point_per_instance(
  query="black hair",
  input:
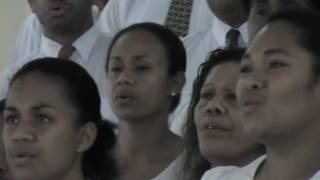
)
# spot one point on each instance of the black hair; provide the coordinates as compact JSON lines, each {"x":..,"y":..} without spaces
{"x":308,"y":36}
{"x":83,"y":93}
{"x":194,"y":164}
{"x":2,"y":105}
{"x":172,"y":44}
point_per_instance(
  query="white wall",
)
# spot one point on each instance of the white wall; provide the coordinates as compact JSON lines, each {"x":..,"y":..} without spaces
{"x":12,"y":14}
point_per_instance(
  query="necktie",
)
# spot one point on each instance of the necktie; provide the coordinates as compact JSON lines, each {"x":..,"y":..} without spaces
{"x":66,"y":52}
{"x":179,"y":16}
{"x":232,"y":38}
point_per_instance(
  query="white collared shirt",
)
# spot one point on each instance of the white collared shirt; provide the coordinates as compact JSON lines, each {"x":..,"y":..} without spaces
{"x":29,"y":36}
{"x":90,"y":53}
{"x":233,"y":172}
{"x":198,"y":46}
{"x":119,"y":14}
{"x":247,"y":172}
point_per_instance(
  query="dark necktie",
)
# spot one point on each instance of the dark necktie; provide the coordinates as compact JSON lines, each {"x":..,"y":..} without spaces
{"x":178,"y":17}
{"x":232,"y":38}
{"x":66,"y":51}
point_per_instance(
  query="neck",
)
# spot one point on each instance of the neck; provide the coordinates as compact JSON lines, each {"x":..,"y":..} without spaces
{"x":297,"y":159}
{"x":147,"y":138}
{"x":68,"y":35}
{"x":75,"y":173}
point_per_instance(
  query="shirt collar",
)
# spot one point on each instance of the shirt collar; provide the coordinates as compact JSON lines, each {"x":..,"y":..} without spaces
{"x":251,"y":169}
{"x":83,"y":44}
{"x":220,"y":30}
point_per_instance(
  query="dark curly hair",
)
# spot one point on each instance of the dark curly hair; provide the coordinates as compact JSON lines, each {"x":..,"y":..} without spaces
{"x":194,"y":164}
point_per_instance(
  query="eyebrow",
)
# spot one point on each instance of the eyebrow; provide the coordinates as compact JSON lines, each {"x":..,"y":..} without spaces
{"x":136,"y":57}
{"x":275,"y":51}
{"x":37,"y":107}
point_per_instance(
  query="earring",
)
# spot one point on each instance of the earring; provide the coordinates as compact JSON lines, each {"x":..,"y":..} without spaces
{"x":173,"y":94}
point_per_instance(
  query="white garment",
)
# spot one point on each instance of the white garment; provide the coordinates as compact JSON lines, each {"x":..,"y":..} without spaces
{"x":198,"y":46}
{"x":119,"y":14}
{"x":29,"y":37}
{"x":91,"y":49}
{"x":172,"y":171}
{"x":236,"y":173}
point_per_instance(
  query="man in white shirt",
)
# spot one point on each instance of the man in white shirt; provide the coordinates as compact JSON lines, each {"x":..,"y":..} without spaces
{"x":69,"y":23}
{"x":29,"y":36}
{"x":228,"y":15}
{"x":119,"y":14}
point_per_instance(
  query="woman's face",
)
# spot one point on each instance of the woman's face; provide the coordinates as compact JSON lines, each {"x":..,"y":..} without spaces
{"x":139,"y":82}
{"x":217,"y":118}
{"x":41,"y":135}
{"x":4,"y":170}
{"x":277,"y":91}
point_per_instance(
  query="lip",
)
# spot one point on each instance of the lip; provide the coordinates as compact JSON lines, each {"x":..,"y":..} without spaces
{"x":214,"y":124}
{"x":59,"y":9}
{"x":250,"y":100}
{"x":124,"y":96}
{"x":21,"y":157}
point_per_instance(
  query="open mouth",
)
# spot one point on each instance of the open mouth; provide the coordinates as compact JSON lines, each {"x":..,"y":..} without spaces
{"x":215,"y":127}
{"x":124,"y":98}
{"x":59,"y":9}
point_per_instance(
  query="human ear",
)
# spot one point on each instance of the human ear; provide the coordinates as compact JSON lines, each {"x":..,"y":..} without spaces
{"x":88,"y":134}
{"x":176,"y":83}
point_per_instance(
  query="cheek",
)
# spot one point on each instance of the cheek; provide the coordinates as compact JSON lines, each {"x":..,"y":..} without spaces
{"x":239,"y":88}
{"x":197,"y":113}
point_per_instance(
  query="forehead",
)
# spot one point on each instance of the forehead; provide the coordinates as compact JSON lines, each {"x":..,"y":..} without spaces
{"x":219,"y":77}
{"x":279,"y":39}
{"x":279,"y":34}
{"x":139,"y":39}
{"x":37,"y":87}
{"x":136,"y":44}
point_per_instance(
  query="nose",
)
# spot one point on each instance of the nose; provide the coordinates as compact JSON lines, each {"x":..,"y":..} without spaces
{"x":255,"y":81}
{"x":215,"y":107}
{"x":255,"y":84}
{"x":23,"y":133}
{"x":125,"y":77}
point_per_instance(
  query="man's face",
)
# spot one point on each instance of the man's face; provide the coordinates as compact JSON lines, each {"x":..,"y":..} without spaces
{"x":261,"y":10}
{"x":224,"y":5}
{"x":60,"y":15}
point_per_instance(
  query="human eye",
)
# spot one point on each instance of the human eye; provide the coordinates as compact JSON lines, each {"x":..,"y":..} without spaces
{"x":275,"y":64}
{"x":10,"y":118}
{"x":41,"y":118}
{"x":245,"y":68}
{"x":115,"y":69}
{"x":206,"y":95}
{"x":231,"y":96}
{"x":143,"y":68}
